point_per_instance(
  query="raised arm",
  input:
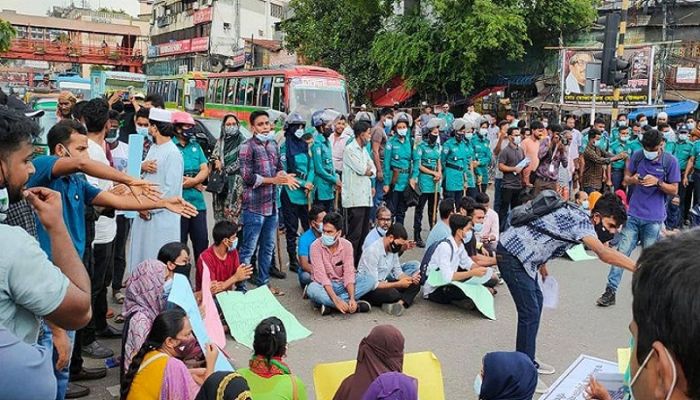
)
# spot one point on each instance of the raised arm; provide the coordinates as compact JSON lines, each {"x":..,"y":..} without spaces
{"x":609,"y":255}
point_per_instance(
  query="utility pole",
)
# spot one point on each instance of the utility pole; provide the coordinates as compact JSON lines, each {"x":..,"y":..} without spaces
{"x":620,"y":53}
{"x":661,"y":82}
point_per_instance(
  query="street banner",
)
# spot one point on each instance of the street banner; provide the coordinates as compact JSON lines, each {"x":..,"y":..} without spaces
{"x":636,"y":91}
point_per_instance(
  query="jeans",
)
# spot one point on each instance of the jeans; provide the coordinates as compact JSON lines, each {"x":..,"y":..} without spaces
{"x":396,"y":203}
{"x":262,"y":229}
{"x":196,"y":229}
{"x":528,"y":300}
{"x":378,"y":197}
{"x":635,"y":230}
{"x":304,"y":277}
{"x":409,"y":268}
{"x":428,"y":198}
{"x":293,"y":214}
{"x":358,"y":228}
{"x":617,"y":175}
{"x":46,"y":340}
{"x":317,"y":293}
{"x":497,"y":193}
{"x":123,"y":228}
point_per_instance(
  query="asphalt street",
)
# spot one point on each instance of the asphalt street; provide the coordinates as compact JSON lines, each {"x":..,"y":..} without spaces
{"x":458,"y":338}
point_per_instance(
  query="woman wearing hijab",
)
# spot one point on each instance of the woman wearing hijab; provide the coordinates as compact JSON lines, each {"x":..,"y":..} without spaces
{"x":381,"y":351}
{"x":506,"y":376}
{"x":224,"y":386}
{"x":268,"y":376}
{"x":227,"y":204}
{"x":392,"y":386}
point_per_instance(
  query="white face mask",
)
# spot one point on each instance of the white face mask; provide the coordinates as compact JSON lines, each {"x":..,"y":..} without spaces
{"x":402,"y":131}
{"x":478,"y":380}
{"x":646,"y":360}
{"x":4,"y":203}
{"x":517,"y":140}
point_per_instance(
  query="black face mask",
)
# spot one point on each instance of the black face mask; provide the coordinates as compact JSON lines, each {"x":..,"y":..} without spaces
{"x":327,"y":132}
{"x":181,"y":266}
{"x":395,"y":247}
{"x":459,"y":137}
{"x":603,"y":234}
{"x":432,"y":139}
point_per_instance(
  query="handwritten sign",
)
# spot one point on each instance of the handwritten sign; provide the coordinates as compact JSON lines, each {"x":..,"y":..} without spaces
{"x":211,"y":315}
{"x":244,"y":311}
{"x":572,"y":384}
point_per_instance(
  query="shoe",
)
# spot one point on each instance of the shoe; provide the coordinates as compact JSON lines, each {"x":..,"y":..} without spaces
{"x":96,"y":350}
{"x":75,"y":391}
{"x":118,"y":297}
{"x":88,"y":374}
{"x":395,"y":309}
{"x":544,"y":369}
{"x":420,"y":243}
{"x":109,"y":333}
{"x":363,"y":306}
{"x":294,"y":267}
{"x":325,"y":310}
{"x":542,"y":387}
{"x":275,"y":273}
{"x":607,"y":299}
{"x":466,"y":304}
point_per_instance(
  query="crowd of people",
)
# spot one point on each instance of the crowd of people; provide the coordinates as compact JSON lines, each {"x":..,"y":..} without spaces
{"x":338,"y":190}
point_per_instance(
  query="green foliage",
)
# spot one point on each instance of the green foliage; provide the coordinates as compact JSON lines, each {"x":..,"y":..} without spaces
{"x":549,"y":19}
{"x":7,"y":33}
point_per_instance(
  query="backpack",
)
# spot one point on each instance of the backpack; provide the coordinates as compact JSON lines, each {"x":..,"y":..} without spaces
{"x":428,"y":255}
{"x":544,"y":203}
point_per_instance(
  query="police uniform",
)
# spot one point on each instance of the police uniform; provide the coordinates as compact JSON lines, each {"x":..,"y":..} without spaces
{"x":470,"y":173}
{"x":483,"y":154}
{"x":683,"y":151}
{"x":397,"y":160}
{"x":618,"y":167}
{"x":428,"y":156}
{"x":456,"y":160}
{"x":325,"y":175}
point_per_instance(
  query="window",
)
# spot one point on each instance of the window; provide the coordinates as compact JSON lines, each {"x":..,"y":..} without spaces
{"x":179,"y":92}
{"x":240,"y":97}
{"x":278,"y":98}
{"x":220,"y":91}
{"x":211,"y":91}
{"x":265,"y":91}
{"x":251,"y":92}
{"x":276,"y":11}
{"x":231,"y":91}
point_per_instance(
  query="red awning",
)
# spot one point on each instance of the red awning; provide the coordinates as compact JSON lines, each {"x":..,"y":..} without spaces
{"x":395,"y":92}
{"x":486,"y":92}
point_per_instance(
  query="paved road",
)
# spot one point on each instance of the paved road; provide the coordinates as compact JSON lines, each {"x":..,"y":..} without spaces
{"x":458,"y":338}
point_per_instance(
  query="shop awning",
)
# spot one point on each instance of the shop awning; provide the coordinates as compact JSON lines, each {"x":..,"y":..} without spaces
{"x":486,"y":92}
{"x":395,"y":92}
{"x":673,"y":109}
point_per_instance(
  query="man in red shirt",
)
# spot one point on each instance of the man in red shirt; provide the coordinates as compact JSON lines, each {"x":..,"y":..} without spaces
{"x":222,"y":260}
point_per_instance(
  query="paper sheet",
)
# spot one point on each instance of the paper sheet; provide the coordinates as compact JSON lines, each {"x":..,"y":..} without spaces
{"x":578,"y":253}
{"x":133,"y":164}
{"x":181,"y":294}
{"x":571,"y":385}
{"x":244,"y":311}
{"x":212,"y":322}
{"x":473,"y":288}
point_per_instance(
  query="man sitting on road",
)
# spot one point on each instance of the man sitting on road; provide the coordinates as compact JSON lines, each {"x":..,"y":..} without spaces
{"x":394,"y":290}
{"x":384,"y":219}
{"x":221,"y":259}
{"x":316,"y":215}
{"x":335,"y":284}
{"x":441,"y":229}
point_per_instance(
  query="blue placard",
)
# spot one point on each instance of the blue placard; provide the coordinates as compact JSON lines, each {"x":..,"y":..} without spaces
{"x":133,"y":165}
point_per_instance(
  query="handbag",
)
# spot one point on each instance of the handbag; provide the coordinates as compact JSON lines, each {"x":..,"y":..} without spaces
{"x":410,"y":196}
{"x":217,"y":182}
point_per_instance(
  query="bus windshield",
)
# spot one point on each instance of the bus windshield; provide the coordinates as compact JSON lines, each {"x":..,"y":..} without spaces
{"x":311,"y":94}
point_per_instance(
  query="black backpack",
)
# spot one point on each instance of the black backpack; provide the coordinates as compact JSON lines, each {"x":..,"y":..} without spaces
{"x":428,"y":255}
{"x":544,"y":203}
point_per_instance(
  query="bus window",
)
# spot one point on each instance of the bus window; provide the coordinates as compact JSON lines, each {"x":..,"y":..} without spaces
{"x":179,"y":94}
{"x":220,"y":91}
{"x":278,"y":98}
{"x":242,"y":85}
{"x":251,"y":92}
{"x":172,"y":93}
{"x":210,"y":91}
{"x":265,"y":90}
{"x":231,"y":91}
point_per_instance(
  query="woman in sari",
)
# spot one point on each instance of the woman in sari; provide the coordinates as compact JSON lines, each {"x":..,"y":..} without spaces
{"x":268,"y":376}
{"x":146,"y":295}
{"x":224,"y":386}
{"x":381,"y":351}
{"x":157,"y":372}
{"x":506,"y":375}
{"x":227,"y":204}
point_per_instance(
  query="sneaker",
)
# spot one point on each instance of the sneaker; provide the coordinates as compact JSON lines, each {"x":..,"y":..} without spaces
{"x":325,"y":310}
{"x":607,"y":299}
{"x":96,"y":350}
{"x":542,"y":387}
{"x":395,"y":309}
{"x":275,"y":273}
{"x":363,"y":306}
{"x":109,"y":332}
{"x":544,"y":369}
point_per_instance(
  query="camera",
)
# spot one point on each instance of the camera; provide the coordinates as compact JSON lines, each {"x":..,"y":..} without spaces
{"x":562,"y":137}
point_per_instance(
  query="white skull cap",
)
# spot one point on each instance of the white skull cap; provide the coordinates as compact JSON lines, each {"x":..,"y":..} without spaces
{"x":158,"y":114}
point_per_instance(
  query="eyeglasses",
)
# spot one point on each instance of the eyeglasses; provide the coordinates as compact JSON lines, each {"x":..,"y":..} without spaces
{"x":383,"y":219}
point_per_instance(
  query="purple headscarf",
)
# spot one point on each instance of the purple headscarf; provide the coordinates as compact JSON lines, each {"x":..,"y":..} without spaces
{"x":392,"y":386}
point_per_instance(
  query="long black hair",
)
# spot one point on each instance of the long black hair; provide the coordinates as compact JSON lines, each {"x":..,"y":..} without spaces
{"x":270,"y":339}
{"x":166,"y":325}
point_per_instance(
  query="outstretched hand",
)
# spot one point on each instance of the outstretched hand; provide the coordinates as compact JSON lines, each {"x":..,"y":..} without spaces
{"x":179,"y":206}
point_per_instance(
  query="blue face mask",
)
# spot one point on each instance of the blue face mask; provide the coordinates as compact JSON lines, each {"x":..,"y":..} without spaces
{"x":328,"y":240}
{"x":266,"y":137}
{"x":478,"y":227}
{"x":234,"y":245}
{"x":142,"y":130}
{"x":468,"y":237}
{"x":477,"y":385}
{"x":381,"y":231}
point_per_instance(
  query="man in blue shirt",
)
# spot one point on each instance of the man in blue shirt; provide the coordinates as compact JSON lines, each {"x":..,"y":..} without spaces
{"x":316,"y":215}
{"x":655,"y":175}
{"x":441,"y":230}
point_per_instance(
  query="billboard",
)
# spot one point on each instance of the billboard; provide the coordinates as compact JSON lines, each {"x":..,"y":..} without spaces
{"x":636,"y":91}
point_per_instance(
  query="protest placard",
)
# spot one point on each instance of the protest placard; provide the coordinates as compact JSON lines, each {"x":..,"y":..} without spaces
{"x":472,"y":288}
{"x":571,"y":385}
{"x":212,"y":322}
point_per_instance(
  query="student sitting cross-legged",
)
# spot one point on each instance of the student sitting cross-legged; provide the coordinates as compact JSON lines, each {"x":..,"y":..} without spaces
{"x":393,"y":291}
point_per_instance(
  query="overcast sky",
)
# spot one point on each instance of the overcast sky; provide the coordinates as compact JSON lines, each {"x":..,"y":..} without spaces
{"x":35,"y":7}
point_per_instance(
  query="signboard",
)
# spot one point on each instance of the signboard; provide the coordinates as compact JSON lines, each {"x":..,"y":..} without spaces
{"x":686,"y":74}
{"x":237,"y":59}
{"x":572,"y":384}
{"x":178,"y":47}
{"x":321,"y":83}
{"x":636,"y":91}
{"x":200,"y":44}
{"x":152,"y":51}
{"x":203,"y":15}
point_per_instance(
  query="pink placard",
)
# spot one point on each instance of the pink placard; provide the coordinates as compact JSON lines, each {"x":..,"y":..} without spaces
{"x":212,"y":323}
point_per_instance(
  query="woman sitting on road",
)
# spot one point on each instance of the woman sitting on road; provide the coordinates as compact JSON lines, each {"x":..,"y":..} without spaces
{"x":506,"y":375}
{"x":224,"y":386}
{"x":268,"y":376}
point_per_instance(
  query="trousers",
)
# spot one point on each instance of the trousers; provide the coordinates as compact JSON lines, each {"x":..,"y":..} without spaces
{"x":317,"y":293}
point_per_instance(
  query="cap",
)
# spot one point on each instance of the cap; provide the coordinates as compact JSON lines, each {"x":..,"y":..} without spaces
{"x":34,"y":113}
{"x":158,"y":114}
{"x":662,"y":114}
{"x":363,"y":106}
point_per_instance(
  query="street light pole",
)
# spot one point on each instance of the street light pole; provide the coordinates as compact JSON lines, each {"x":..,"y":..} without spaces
{"x":619,"y":53}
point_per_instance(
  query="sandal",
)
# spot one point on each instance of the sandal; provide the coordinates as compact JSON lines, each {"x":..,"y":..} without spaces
{"x":276,"y":291}
{"x":119,"y":319}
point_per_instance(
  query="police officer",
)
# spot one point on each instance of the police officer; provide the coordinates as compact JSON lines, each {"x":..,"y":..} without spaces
{"x":295,"y":155}
{"x":483,"y":155}
{"x":618,"y":146}
{"x":683,"y":151}
{"x":398,"y":155}
{"x":470,"y":173}
{"x":457,"y":157}
{"x":326,"y":180}
{"x":427,"y":171}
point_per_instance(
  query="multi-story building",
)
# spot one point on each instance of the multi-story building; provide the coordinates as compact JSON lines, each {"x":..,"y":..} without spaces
{"x":208,"y":35}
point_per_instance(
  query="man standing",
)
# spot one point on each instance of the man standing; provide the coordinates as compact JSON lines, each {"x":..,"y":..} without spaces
{"x":449,"y":119}
{"x":531,"y":148}
{"x":457,"y":157}
{"x":511,"y":162}
{"x":261,"y":170}
{"x":596,"y":163}
{"x":339,"y":139}
{"x":500,"y":144}
{"x":427,"y":174}
{"x":619,"y":145}
{"x":424,"y":118}
{"x":655,"y":175}
{"x":379,"y":137}
{"x":358,"y":170}
{"x":326,"y":181}
{"x":552,"y":154}
{"x":472,"y":116}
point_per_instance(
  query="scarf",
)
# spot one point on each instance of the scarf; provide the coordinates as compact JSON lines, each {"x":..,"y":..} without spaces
{"x":259,"y":366}
{"x":294,"y":146}
{"x":508,"y":376}
{"x":224,"y":386}
{"x":392,"y":386}
{"x":381,"y":351}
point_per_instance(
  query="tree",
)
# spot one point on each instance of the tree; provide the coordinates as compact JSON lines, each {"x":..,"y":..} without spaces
{"x":338,"y":34}
{"x":7,"y":33}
